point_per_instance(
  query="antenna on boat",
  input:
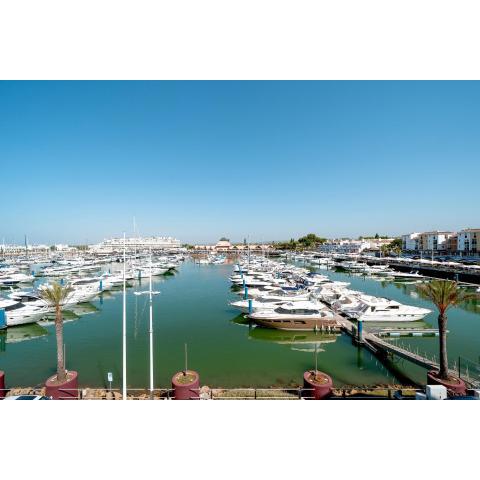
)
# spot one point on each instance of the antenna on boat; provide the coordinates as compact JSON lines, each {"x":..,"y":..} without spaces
{"x":124,"y":326}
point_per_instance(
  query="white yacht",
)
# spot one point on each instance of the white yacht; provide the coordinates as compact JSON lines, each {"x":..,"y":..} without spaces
{"x":406,"y":275}
{"x":329,"y":292}
{"x":377,"y":270}
{"x":83,"y":290}
{"x":298,"y":316}
{"x":352,"y":265}
{"x":314,"y":280}
{"x":12,"y":279}
{"x":144,"y":271}
{"x":259,"y":291}
{"x":384,"y":310}
{"x":263,"y":303}
{"x":18,"y":313}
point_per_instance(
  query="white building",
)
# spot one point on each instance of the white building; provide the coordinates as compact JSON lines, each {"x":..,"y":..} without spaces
{"x":138,"y":243}
{"x":468,"y":240}
{"x":410,"y":241}
{"x":344,"y":246}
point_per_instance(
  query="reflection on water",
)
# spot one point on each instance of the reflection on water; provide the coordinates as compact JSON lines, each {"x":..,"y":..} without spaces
{"x":304,"y":341}
{"x":72,"y":312}
{"x":21,"y":333}
{"x":193,"y":308}
{"x":242,"y":320}
{"x":290,"y":337}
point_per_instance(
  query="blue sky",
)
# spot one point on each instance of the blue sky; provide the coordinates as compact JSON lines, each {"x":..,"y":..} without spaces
{"x":267,"y":160}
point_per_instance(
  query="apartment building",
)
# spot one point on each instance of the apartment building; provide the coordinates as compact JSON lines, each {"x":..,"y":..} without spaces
{"x":467,"y":240}
{"x":410,"y":242}
{"x":464,"y":242}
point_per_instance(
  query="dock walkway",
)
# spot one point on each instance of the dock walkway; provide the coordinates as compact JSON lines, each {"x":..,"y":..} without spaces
{"x":377,"y":345}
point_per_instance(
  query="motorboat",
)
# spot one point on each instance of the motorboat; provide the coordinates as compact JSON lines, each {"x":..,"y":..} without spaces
{"x":83,"y":290}
{"x":352,"y":265}
{"x":13,"y":279}
{"x":298,"y":316}
{"x":263,"y":303}
{"x":409,"y":275}
{"x":384,"y":310}
{"x":259,"y":291}
{"x":144,"y":271}
{"x":18,"y":313}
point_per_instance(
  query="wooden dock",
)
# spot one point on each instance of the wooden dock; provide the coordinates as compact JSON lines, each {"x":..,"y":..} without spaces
{"x":377,"y":346}
{"x":405,"y":332}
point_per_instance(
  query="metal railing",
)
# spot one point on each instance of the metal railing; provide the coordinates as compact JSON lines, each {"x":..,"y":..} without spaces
{"x":222,"y":393}
{"x":469,"y":371}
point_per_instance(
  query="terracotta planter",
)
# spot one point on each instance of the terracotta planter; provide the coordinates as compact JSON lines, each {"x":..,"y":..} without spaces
{"x":455,"y":388}
{"x":316,"y":386}
{"x":67,"y":390}
{"x":2,"y":384}
{"x":186,"y":387}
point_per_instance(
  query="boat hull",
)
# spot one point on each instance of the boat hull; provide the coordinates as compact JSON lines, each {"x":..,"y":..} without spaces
{"x":386,"y":318}
{"x":330,"y":325}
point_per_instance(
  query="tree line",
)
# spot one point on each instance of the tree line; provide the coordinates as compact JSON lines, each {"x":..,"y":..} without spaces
{"x":303,"y":243}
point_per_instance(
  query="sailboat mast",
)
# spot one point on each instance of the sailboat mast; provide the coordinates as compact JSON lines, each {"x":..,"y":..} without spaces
{"x":151,"y":328}
{"x":124,"y":326}
{"x":135,"y":237}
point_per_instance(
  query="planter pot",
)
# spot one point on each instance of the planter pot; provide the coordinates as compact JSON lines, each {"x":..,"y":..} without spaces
{"x":67,"y":390}
{"x":186,"y":387}
{"x":457,"y":387}
{"x":2,"y":384}
{"x":316,"y":385}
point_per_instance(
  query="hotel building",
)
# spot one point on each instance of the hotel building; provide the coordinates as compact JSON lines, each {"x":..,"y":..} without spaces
{"x":138,"y":243}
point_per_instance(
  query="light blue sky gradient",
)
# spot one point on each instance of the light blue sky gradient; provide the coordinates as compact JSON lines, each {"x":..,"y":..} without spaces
{"x":267,"y":160}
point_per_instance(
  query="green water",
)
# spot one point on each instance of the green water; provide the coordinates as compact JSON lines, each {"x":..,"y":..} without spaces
{"x":193,"y":308}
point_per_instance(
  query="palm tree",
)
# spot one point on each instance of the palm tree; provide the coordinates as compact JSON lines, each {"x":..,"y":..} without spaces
{"x":55,"y":295}
{"x":385,"y":249}
{"x":397,"y":250}
{"x":444,"y":294}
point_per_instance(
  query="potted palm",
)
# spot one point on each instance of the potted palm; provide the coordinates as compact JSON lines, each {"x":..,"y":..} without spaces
{"x":316,"y":385}
{"x":444,"y":294}
{"x":62,"y":385}
{"x":186,"y":384}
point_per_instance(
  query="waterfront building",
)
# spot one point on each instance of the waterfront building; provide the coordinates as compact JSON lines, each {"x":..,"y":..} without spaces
{"x":436,"y":241}
{"x":452,"y":243}
{"x":22,"y":249}
{"x":139,"y":243}
{"x":225,"y":246}
{"x":467,"y":241}
{"x":350,"y":246}
{"x":344,"y":246}
{"x":410,"y":242}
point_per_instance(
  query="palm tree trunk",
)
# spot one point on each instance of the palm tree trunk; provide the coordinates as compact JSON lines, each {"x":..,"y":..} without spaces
{"x":442,"y":329}
{"x":61,"y":374}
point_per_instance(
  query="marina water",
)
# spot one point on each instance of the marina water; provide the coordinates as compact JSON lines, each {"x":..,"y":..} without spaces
{"x":227,"y":352}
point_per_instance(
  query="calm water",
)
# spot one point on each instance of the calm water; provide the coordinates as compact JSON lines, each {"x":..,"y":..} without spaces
{"x":193,"y":308}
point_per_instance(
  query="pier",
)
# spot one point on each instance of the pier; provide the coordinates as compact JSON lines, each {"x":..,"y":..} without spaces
{"x":382,"y":348}
{"x":466,"y":274}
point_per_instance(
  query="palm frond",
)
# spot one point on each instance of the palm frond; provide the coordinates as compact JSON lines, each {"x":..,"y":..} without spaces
{"x":55,"y":294}
{"x":444,"y":294}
